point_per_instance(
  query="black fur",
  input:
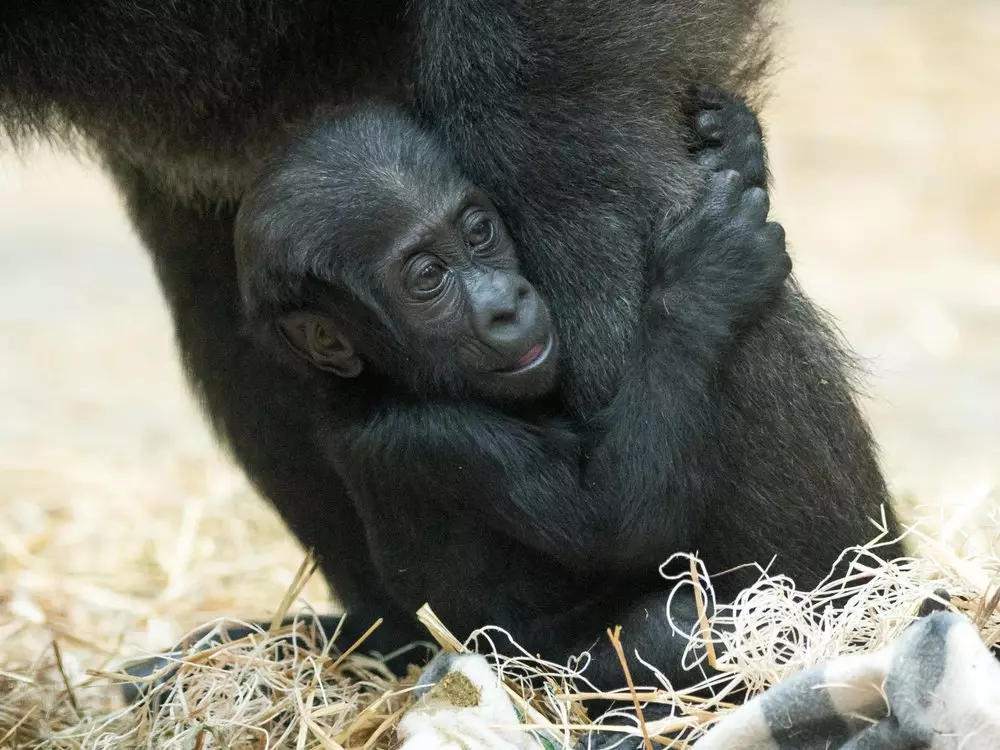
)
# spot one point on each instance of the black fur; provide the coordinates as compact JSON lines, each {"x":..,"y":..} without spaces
{"x":306,"y":240}
{"x":463,"y":502}
{"x":560,"y":118}
{"x":570,"y":112}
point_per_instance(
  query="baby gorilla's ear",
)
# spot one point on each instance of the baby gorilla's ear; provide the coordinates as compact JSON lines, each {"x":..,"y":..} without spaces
{"x":319,"y":340}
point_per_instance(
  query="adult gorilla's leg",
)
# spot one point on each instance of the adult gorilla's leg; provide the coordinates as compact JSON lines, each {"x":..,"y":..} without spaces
{"x":261,"y":410}
{"x":648,"y":629}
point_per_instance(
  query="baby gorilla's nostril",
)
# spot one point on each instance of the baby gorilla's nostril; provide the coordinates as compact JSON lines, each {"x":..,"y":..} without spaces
{"x":504,"y":318}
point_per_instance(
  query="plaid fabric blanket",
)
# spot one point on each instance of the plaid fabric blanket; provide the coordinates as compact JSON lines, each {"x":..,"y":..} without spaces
{"x":935,"y":688}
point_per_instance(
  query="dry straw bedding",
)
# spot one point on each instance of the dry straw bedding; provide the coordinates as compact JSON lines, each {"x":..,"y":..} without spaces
{"x":261,"y":692}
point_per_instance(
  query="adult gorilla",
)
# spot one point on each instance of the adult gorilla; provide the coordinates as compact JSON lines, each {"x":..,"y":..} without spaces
{"x":580,"y":122}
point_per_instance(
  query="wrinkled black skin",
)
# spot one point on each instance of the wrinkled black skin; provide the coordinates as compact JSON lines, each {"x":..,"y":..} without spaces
{"x":182,"y":101}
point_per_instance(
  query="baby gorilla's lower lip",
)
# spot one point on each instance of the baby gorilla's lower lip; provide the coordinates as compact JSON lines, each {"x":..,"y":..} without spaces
{"x":529,"y":359}
{"x":530,"y":356}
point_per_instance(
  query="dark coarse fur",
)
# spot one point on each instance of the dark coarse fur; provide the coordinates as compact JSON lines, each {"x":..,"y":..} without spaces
{"x":560,"y":120}
{"x":461,"y":496}
{"x":193,"y":92}
{"x":568,"y":111}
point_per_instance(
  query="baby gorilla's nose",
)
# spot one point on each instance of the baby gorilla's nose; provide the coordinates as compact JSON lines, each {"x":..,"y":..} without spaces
{"x":503,"y":316}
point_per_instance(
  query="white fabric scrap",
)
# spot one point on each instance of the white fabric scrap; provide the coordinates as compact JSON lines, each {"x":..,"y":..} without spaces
{"x":435,"y":724}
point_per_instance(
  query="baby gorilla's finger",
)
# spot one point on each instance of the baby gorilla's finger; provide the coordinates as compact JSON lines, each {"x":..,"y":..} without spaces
{"x":755,"y":204}
{"x":709,"y":125}
{"x":753,"y":163}
{"x":775,"y":234}
{"x":777,"y":263}
{"x":710,"y":159}
{"x":726,"y":189}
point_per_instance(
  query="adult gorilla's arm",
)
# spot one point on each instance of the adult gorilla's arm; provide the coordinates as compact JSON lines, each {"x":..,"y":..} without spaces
{"x":630,"y":490}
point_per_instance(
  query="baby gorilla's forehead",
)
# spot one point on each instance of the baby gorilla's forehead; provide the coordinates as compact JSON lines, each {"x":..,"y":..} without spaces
{"x":431,"y":196}
{"x":412,"y":218}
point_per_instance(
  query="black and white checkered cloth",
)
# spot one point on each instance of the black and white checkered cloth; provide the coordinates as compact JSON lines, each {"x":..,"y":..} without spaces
{"x":935,"y":688}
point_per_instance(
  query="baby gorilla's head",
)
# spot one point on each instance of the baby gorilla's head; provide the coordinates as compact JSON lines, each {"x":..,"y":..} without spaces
{"x":367,"y":251}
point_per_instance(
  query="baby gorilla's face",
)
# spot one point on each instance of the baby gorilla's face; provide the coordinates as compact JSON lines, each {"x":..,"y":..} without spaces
{"x":460,"y":296}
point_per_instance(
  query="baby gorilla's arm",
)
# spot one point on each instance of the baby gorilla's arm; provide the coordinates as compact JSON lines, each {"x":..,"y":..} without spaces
{"x":713,"y":272}
{"x":632,"y":492}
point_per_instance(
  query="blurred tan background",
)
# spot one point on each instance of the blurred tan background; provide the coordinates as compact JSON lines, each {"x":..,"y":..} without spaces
{"x":119,"y":511}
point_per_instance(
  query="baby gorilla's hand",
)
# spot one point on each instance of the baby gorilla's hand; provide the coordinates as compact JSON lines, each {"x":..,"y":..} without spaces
{"x":724,"y":262}
{"x":728,"y":136}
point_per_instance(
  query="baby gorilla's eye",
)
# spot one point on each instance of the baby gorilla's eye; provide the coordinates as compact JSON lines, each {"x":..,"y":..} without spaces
{"x":425,"y":277}
{"x":480,"y":230}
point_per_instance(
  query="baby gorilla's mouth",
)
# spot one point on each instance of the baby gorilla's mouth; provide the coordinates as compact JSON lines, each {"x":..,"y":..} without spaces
{"x":529,"y":359}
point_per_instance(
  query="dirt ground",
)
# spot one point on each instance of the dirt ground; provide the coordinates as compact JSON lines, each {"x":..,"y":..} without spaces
{"x":119,"y":511}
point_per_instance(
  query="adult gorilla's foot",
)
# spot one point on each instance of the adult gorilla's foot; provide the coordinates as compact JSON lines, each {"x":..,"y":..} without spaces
{"x":399,"y":644}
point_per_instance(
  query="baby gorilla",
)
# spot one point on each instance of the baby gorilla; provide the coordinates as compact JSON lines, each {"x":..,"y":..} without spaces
{"x":367,"y":261}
